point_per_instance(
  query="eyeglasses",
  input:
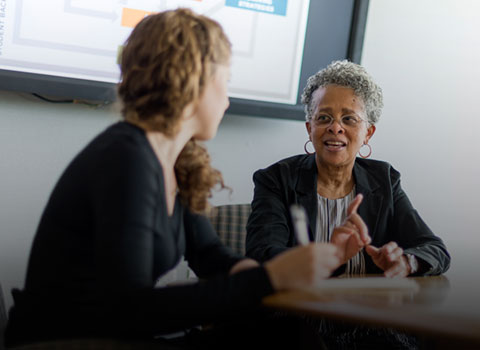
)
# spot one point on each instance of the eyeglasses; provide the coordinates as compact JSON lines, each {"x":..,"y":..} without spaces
{"x":347,"y":121}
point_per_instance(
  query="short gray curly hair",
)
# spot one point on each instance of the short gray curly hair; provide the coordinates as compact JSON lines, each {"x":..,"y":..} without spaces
{"x":350,"y":75}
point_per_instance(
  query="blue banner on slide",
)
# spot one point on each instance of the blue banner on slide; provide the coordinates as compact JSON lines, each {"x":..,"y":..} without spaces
{"x":274,"y":7}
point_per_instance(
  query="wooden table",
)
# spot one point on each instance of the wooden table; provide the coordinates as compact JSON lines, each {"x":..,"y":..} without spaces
{"x":445,"y":309}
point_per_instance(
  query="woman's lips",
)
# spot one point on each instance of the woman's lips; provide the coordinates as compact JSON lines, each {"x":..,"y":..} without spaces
{"x":334,"y":145}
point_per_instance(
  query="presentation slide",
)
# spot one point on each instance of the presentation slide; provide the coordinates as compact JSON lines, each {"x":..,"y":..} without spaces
{"x":81,"y":39}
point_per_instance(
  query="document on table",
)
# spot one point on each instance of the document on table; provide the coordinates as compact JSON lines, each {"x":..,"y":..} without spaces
{"x":355,"y":284}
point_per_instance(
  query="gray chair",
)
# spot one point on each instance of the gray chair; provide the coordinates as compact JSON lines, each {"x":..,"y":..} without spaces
{"x":230,"y":222}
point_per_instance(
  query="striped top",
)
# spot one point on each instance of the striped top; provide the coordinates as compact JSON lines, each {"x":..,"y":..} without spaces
{"x":332,"y":213}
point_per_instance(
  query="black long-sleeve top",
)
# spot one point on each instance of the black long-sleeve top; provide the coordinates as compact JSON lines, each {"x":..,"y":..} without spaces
{"x":105,"y":238}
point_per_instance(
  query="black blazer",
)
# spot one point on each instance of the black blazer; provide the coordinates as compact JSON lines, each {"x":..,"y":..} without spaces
{"x":386,"y":210}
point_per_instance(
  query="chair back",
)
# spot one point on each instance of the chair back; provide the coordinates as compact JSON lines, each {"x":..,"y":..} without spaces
{"x":3,"y":319}
{"x":230,"y":222}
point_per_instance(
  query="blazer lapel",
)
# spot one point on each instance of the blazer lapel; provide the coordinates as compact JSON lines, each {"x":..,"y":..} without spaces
{"x":369,"y":209}
{"x":306,"y":189}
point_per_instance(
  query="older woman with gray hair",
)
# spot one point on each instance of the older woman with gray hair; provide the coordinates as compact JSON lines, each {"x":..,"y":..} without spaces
{"x":342,"y":105}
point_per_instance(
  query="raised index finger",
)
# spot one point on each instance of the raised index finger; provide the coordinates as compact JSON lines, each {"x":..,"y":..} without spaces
{"x":352,"y":208}
{"x":361,"y":227}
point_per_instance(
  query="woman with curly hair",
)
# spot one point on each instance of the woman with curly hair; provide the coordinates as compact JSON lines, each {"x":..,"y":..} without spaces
{"x":128,"y":208}
{"x":342,"y":105}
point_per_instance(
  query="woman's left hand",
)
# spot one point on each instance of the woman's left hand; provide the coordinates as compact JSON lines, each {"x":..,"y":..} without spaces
{"x":244,"y":264}
{"x":352,"y":236}
{"x":390,"y":259}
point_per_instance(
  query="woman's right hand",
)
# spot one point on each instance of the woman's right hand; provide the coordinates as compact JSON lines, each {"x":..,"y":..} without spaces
{"x":303,"y":266}
{"x":352,"y":236}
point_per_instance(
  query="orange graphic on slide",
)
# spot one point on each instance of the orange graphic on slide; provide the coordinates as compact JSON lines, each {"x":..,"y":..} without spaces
{"x":130,"y":17}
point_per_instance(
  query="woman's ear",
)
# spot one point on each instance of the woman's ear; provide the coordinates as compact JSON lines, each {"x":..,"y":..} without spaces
{"x":189,"y":110}
{"x":309,"y":128}
{"x":370,"y":131}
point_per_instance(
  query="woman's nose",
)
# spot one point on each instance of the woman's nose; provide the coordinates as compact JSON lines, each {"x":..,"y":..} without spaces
{"x":336,"y":127}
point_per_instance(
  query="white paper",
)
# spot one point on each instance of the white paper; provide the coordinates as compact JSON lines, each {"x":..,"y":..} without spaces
{"x":368,"y":283}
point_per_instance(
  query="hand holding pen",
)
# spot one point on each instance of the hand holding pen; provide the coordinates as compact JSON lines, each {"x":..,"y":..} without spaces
{"x":306,"y":265}
{"x":300,"y":226}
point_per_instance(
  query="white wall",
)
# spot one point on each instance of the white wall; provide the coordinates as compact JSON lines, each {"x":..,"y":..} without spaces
{"x":423,"y":54}
{"x":37,"y":140}
{"x":245,"y":144}
{"x":426,"y":54}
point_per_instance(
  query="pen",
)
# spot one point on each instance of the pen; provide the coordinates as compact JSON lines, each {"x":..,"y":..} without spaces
{"x":299,"y":218}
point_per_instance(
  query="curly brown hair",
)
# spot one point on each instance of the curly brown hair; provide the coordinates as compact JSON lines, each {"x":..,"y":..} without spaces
{"x":165,"y":65}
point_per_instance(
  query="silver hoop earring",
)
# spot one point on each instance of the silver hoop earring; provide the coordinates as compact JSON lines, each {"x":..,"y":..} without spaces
{"x":305,"y":147}
{"x":369,"y":151}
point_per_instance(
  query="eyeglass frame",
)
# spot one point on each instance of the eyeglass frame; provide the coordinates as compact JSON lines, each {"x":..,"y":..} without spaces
{"x":332,"y":119}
